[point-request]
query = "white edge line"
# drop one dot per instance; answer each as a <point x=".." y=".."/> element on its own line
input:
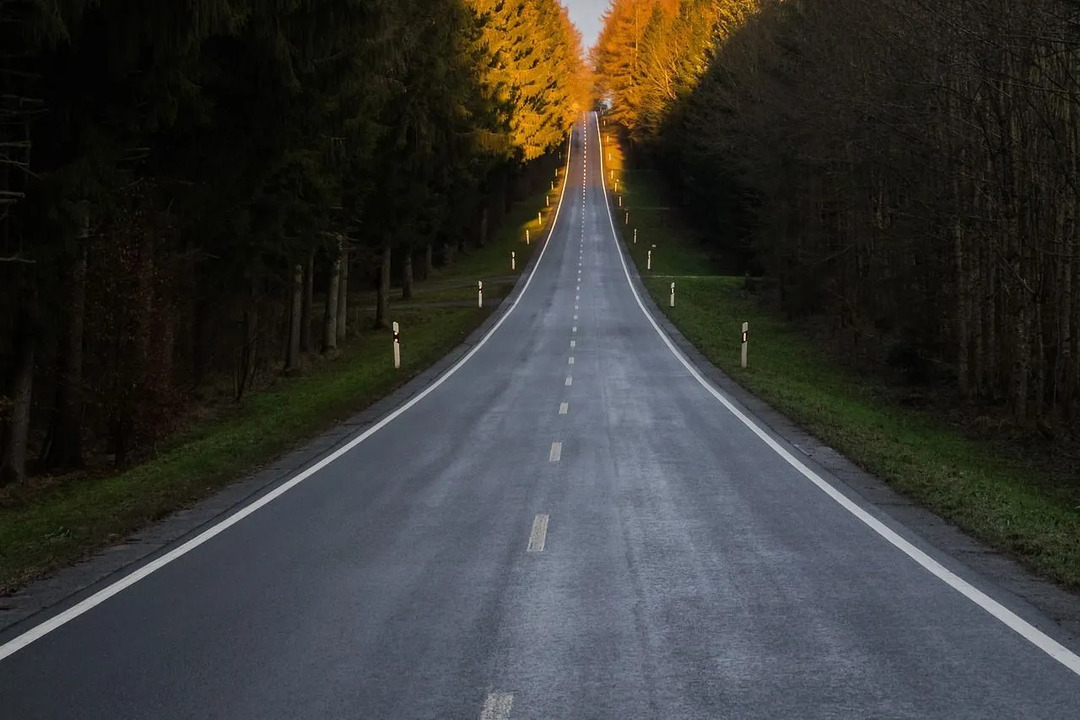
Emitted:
<point x="47" y="626"/>
<point x="1013" y="621"/>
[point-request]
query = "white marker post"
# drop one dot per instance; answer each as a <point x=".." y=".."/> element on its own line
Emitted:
<point x="627" y="217"/>
<point x="526" y="236"/>
<point x="552" y="184"/>
<point x="513" y="260"/>
<point x="745" y="338"/>
<point x="620" y="201"/>
<point x="547" y="201"/>
<point x="479" y="293"/>
<point x="539" y="217"/>
<point x="672" y="294"/>
<point x="397" y="347"/>
<point x="648" y="261"/>
<point x="635" y="236"/>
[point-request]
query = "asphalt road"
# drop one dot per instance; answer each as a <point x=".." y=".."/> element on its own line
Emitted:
<point x="570" y="525"/>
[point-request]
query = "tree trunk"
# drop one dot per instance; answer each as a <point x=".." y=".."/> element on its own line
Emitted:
<point x="17" y="426"/>
<point x="308" y="299"/>
<point x="383" y="299"/>
<point x="963" y="313"/>
<point x="1022" y="360"/>
<point x="343" y="296"/>
<point x="484" y="226"/>
<point x="330" y="315"/>
<point x="407" y="276"/>
<point x="292" y="361"/>
<point x="429" y="261"/>
<point x="65" y="436"/>
<point x="246" y="364"/>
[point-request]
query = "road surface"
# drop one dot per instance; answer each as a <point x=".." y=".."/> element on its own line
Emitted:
<point x="571" y="524"/>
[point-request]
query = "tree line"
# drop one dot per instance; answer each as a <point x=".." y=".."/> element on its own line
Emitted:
<point x="179" y="180"/>
<point x="907" y="168"/>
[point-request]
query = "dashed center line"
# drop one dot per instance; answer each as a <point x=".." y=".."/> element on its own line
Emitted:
<point x="497" y="706"/>
<point x="538" y="535"/>
<point x="574" y="329"/>
<point x="569" y="381"/>
<point x="556" y="452"/>
<point x="573" y="343"/>
<point x="564" y="408"/>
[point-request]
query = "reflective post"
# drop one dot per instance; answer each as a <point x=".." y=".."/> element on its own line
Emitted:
<point x="397" y="347"/>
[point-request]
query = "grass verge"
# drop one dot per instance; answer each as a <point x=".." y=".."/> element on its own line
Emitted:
<point x="57" y="521"/>
<point x="991" y="493"/>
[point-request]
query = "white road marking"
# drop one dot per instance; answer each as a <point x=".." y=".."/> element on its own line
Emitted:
<point x="556" y="452"/>
<point x="569" y="381"/>
<point x="571" y="360"/>
<point x="574" y="329"/>
<point x="497" y="706"/>
<point x="1010" y="619"/>
<point x="564" y="408"/>
<point x="575" y="316"/>
<point x="538" y="535"/>
<point x="573" y="343"/>
<point x="60" y="619"/>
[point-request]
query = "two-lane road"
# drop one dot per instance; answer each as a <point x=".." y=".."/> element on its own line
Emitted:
<point x="571" y="524"/>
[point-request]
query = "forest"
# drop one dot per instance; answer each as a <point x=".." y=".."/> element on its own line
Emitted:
<point x="905" y="169"/>
<point x="178" y="180"/>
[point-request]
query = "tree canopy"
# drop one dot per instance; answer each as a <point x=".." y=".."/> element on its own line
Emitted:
<point x="165" y="169"/>
<point x="905" y="168"/>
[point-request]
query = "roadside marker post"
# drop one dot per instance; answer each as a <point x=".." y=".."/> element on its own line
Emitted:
<point x="648" y="262"/>
<point x="627" y="217"/>
<point x="552" y="184"/>
<point x="672" y="294"/>
<point x="745" y="338"/>
<point x="526" y="236"/>
<point x="620" y="200"/>
<point x="513" y="260"/>
<point x="397" y="347"/>
<point x="479" y="293"/>
<point x="635" y="236"/>
<point x="539" y="217"/>
<point x="617" y="189"/>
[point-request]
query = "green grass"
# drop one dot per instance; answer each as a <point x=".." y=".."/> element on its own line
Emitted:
<point x="991" y="493"/>
<point x="53" y="523"/>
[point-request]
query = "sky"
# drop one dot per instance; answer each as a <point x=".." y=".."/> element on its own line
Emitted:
<point x="585" y="14"/>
